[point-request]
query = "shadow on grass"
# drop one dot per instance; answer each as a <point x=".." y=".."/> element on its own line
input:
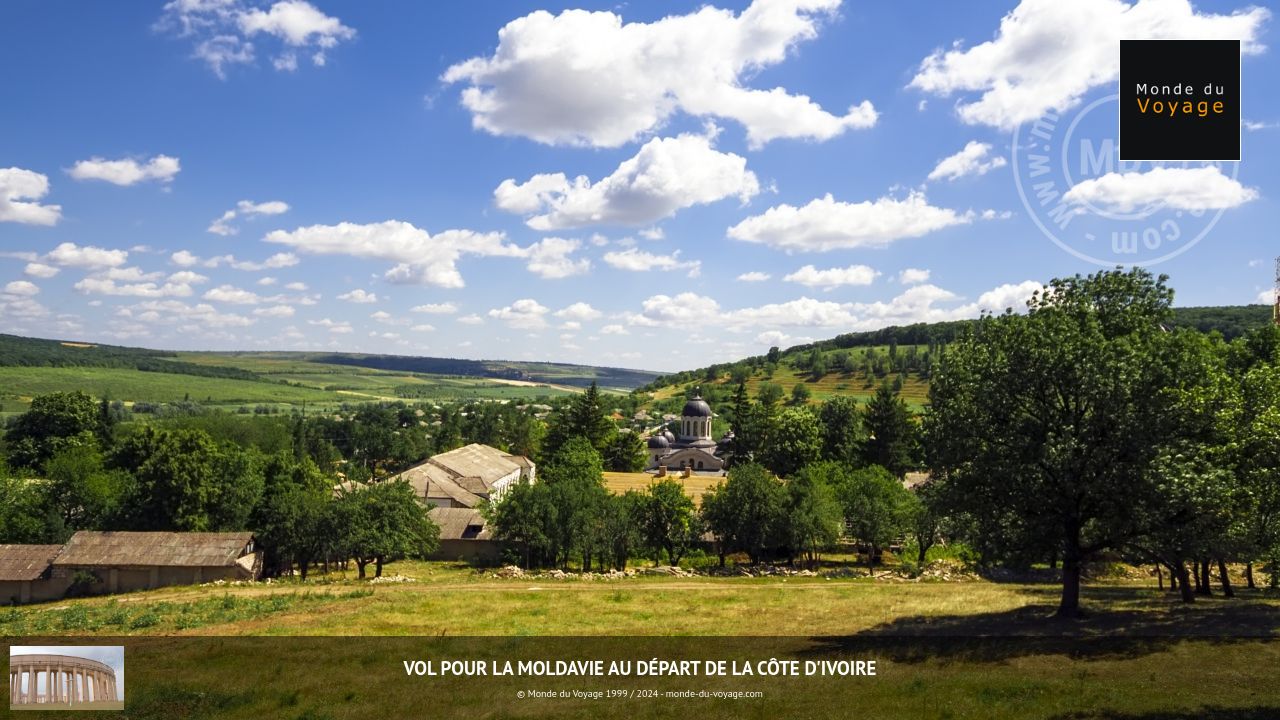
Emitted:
<point x="1034" y="630"/>
<point x="1210" y="712"/>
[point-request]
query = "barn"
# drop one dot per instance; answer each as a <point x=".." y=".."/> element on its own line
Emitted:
<point x="25" y="571"/>
<point x="463" y="535"/>
<point x="124" y="561"/>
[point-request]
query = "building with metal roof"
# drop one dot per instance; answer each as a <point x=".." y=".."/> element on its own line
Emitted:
<point x="24" y="570"/>
<point x="123" y="561"/>
<point x="692" y="446"/>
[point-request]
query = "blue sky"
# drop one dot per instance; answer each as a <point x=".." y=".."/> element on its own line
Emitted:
<point x="637" y="185"/>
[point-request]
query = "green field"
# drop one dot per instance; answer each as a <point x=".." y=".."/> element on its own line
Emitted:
<point x="966" y="649"/>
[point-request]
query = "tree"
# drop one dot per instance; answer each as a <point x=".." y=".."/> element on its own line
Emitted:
<point x="53" y="421"/>
<point x="799" y="395"/>
<point x="1046" y="426"/>
<point x="817" y="364"/>
<point x="876" y="507"/>
<point x="745" y="511"/>
<point x="842" y="430"/>
<point x="383" y="522"/>
<point x="891" y="433"/>
<point x="794" y="442"/>
<point x="625" y="452"/>
<point x="79" y="488"/>
<point x="668" y="520"/>
<point x="774" y="356"/>
<point x="583" y="417"/>
<point x="526" y="519"/>
<point x="288" y="521"/>
<point x="575" y="482"/>
<point x="812" y="516"/>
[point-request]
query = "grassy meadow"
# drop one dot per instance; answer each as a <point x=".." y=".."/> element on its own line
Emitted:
<point x="967" y="649"/>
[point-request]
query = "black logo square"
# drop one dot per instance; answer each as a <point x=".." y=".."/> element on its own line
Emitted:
<point x="1179" y="100"/>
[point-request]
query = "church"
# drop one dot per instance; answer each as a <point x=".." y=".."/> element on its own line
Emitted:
<point x="691" y="448"/>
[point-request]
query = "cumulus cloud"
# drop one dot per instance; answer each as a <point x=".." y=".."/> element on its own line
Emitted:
<point x="687" y="307"/>
<point x="1266" y="297"/>
<point x="913" y="276"/>
<point x="1047" y="54"/>
<point x="832" y="278"/>
<point x="974" y="160"/>
<point x="20" y="192"/>
<point x="127" y="171"/>
<point x="359" y="295"/>
<point x="579" y="311"/>
<point x="636" y="260"/>
<point x="665" y="176"/>
<point x="246" y="209"/>
<point x="827" y="224"/>
<point x="588" y="78"/>
<point x="1203" y="188"/>
<point x="472" y="319"/>
<point x="184" y="258"/>
<point x="24" y="288"/>
<point x="549" y="258"/>
<point x="223" y="30"/>
<point x="526" y="314"/>
<point x="420" y="257"/>
<point x="40" y="270"/>
<point x="754" y="276"/>
<point x="89" y="257"/>
<point x="614" y="330"/>
<point x="333" y="326"/>
<point x="199" y="316"/>
<point x="233" y="295"/>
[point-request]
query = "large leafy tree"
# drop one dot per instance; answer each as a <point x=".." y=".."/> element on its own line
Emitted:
<point x="81" y="491"/>
<point x="745" y="511"/>
<point x="584" y="416"/>
<point x="53" y="422"/>
<point x="288" y="520"/>
<point x="876" y="507"/>
<point x="812" y="517"/>
<point x="794" y="441"/>
<point x="1046" y="425"/>
<point x="625" y="452"/>
<point x="668" y="520"/>
<point x="383" y="522"/>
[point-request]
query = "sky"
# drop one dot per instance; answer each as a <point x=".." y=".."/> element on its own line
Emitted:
<point x="112" y="655"/>
<point x="647" y="185"/>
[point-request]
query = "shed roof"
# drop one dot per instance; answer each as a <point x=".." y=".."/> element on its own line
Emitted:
<point x="454" y="523"/>
<point x="174" y="549"/>
<point x="26" y="562"/>
<point x="475" y="460"/>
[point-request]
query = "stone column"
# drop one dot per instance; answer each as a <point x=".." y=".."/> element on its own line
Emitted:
<point x="48" y="683"/>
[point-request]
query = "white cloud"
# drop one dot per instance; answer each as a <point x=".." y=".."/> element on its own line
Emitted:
<point x="913" y="276"/>
<point x="614" y="330"/>
<point x="267" y="281"/>
<point x="200" y="316"/>
<point x="359" y="295"/>
<point x="127" y="171"/>
<point x="247" y="209"/>
<point x="222" y="30"/>
<point x="1047" y="54"/>
<point x="525" y="314"/>
<point x="234" y="295"/>
<point x="832" y="278"/>
<point x="586" y="78"/>
<point x="665" y="176"/>
<point x="446" y="308"/>
<point x="188" y="277"/>
<point x="771" y="338"/>
<point x="687" y="307"/>
<point x="1010" y="296"/>
<point x="471" y="320"/>
<point x="332" y="326"/>
<point x="296" y="286"/>
<point x="40" y="270"/>
<point x="549" y="258"/>
<point x="275" y="311"/>
<point x="825" y="224"/>
<point x="974" y="160"/>
<point x="105" y="286"/>
<point x="636" y="260"/>
<point x="128" y="274"/>
<point x="71" y="255"/>
<point x="421" y="257"/>
<point x="653" y="233"/>
<point x="423" y="327"/>
<point x="1204" y="188"/>
<point x="579" y="311"/>
<point x="20" y="191"/>
<point x="1266" y="297"/>
<point x="23" y="288"/>
<point x="754" y="276"/>
<point x="1255" y="125"/>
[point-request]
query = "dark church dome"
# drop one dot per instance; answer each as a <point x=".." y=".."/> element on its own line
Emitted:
<point x="697" y="407"/>
<point x="659" y="441"/>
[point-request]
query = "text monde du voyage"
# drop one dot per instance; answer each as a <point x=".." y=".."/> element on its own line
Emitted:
<point x="655" y="667"/>
<point x="1181" y="99"/>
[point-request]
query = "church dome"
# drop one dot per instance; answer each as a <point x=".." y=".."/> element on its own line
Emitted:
<point x="670" y="436"/>
<point x="697" y="407"/>
<point x="659" y="441"/>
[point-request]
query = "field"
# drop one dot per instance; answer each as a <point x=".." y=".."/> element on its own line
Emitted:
<point x="971" y="649"/>
<point x="694" y="485"/>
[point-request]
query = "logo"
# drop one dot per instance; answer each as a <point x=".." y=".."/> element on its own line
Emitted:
<point x="1061" y="164"/>
<point x="1180" y="99"/>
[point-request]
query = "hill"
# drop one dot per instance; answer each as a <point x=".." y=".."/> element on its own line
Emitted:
<point x="855" y="364"/>
<point x="234" y="380"/>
